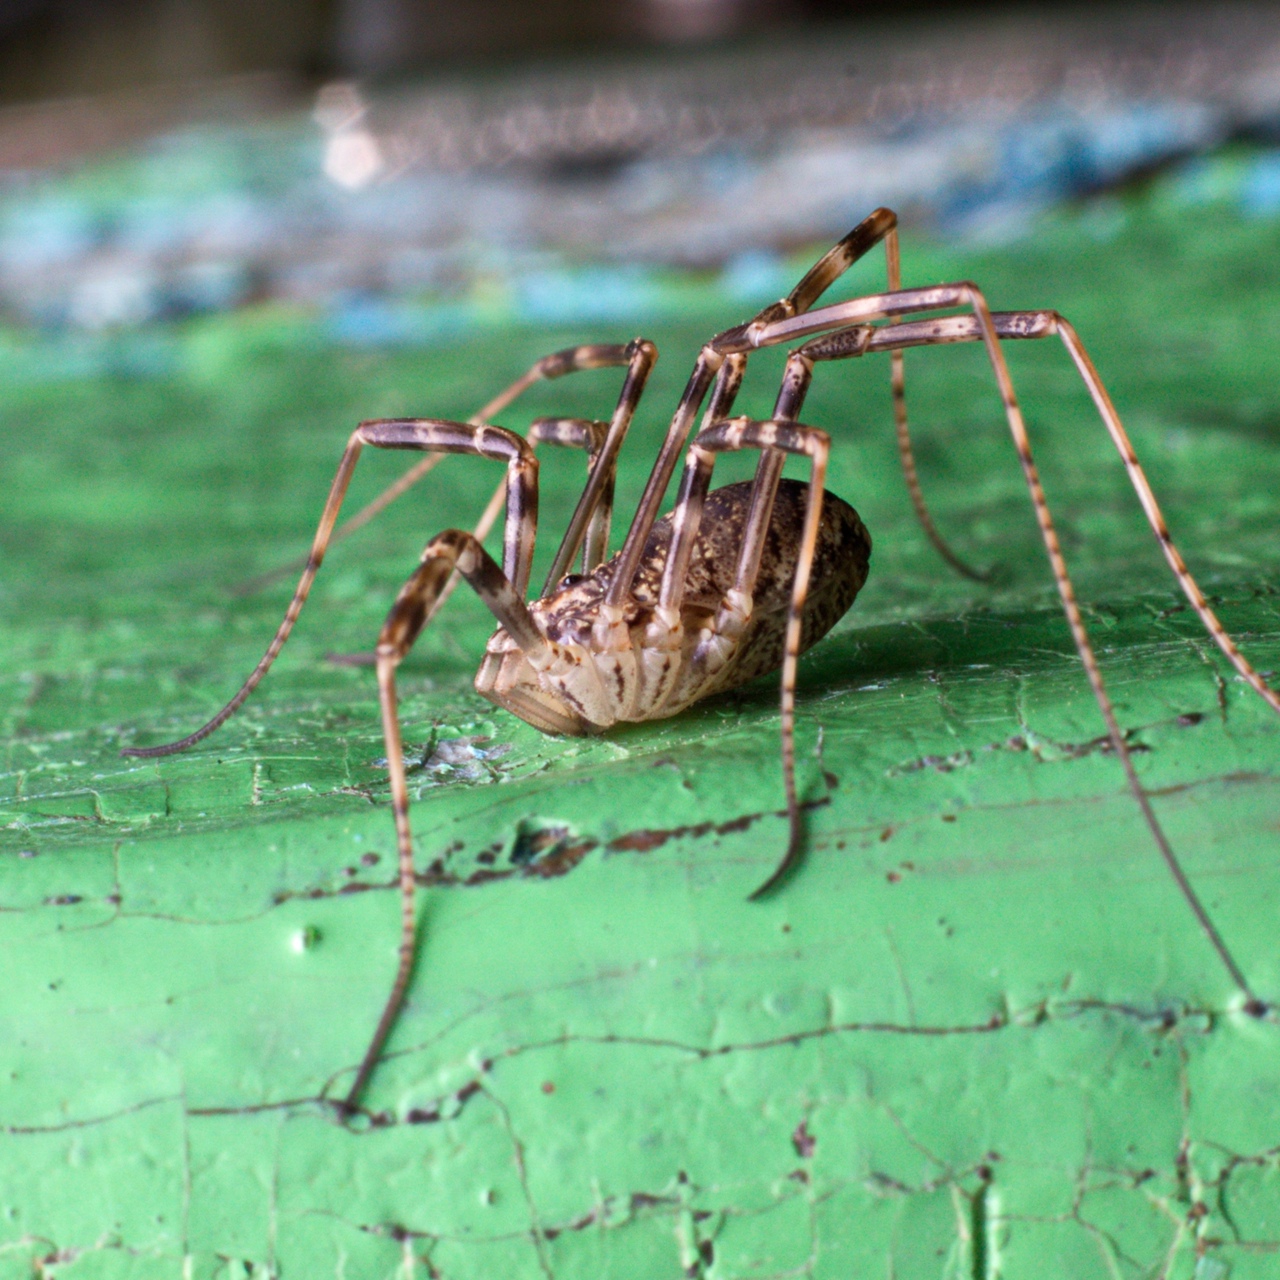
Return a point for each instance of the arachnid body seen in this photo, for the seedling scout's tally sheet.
(734, 582)
(578, 689)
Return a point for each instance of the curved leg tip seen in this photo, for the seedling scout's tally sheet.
(782, 872)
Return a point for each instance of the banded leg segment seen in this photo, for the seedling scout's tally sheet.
(980, 325)
(428, 434)
(574, 433)
(782, 436)
(414, 606)
(1045, 324)
(501, 589)
(583, 433)
(579, 359)
(592, 516)
(842, 344)
(795, 386)
(694, 483)
(879, 225)
(1120, 438)
(596, 355)
(585, 523)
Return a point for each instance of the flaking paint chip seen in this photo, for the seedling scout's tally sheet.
(303, 940)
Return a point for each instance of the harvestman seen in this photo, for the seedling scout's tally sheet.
(692, 606)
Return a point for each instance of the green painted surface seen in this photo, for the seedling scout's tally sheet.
(978, 1034)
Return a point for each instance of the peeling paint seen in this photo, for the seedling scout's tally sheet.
(976, 1036)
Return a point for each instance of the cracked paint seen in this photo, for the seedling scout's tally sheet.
(977, 1036)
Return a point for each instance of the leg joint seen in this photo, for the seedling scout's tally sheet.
(773, 433)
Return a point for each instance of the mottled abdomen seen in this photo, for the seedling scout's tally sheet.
(839, 571)
(840, 564)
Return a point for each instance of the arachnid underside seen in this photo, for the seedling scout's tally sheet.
(734, 582)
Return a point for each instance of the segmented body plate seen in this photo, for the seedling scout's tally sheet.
(569, 613)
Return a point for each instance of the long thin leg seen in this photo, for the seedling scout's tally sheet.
(657, 658)
(583, 433)
(598, 355)
(641, 356)
(693, 491)
(965, 294)
(416, 603)
(878, 226)
(791, 395)
(824, 275)
(589, 525)
(780, 436)
(427, 434)
(841, 344)
(1044, 324)
(881, 224)
(1085, 649)
(795, 386)
(696, 481)
(1154, 515)
(907, 458)
(502, 590)
(906, 455)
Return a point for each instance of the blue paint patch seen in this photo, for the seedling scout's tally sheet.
(1260, 188)
(367, 320)
(570, 296)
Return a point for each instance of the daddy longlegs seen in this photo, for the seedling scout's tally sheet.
(734, 582)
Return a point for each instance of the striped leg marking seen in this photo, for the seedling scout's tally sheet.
(501, 589)
(981, 325)
(879, 226)
(414, 606)
(583, 433)
(598, 355)
(781, 437)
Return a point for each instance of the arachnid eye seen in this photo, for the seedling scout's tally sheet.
(571, 580)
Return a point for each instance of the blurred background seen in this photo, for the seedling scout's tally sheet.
(232, 229)
(412, 169)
